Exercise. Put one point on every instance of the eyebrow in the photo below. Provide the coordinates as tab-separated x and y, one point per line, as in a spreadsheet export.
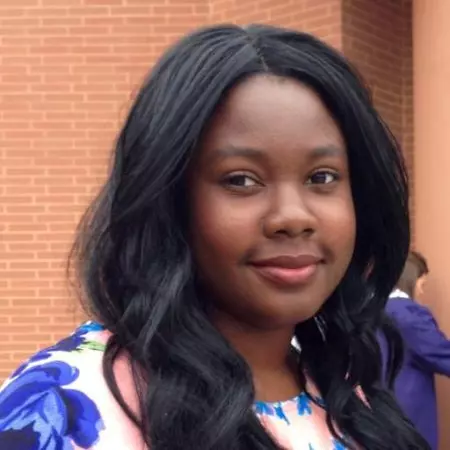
325	151
232	151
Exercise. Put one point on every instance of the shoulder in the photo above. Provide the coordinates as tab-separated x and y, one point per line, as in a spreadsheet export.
397	303
401	305
407	312
48	402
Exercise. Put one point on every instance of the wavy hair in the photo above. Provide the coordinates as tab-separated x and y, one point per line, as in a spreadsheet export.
136	268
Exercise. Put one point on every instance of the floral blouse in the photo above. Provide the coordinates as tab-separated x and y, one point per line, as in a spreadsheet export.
59	400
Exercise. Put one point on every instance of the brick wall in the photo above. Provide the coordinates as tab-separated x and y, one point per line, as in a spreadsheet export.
321	17
377	37
67	72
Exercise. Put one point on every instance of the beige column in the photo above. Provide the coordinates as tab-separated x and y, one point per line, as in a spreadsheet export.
431	41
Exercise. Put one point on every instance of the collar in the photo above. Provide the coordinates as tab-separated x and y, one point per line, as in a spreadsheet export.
398	293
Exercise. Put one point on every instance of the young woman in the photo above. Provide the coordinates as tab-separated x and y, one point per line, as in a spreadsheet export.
255	195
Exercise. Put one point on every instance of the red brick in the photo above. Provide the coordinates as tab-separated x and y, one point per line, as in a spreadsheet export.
384	58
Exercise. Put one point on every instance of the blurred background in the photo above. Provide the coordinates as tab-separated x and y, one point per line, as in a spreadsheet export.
68	71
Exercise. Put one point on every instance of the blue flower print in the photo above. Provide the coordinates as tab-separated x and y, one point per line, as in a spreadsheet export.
276	409
67	344
89	326
73	341
263	408
338	445
271	409
37	413
303	405
279	412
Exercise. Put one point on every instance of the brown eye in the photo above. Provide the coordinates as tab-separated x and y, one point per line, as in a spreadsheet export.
240	181
323	177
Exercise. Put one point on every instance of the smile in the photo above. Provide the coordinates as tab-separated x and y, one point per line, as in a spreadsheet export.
288	270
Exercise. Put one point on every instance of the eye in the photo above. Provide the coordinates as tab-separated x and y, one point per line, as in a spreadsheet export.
323	177
240	181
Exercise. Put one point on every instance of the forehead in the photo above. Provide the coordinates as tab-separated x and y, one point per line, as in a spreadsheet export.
272	112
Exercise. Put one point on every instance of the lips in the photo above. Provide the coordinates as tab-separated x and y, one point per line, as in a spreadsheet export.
288	270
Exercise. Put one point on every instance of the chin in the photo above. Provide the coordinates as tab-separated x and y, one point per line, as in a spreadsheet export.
286	319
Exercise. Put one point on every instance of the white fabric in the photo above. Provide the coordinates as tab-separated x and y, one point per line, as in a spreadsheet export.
398	293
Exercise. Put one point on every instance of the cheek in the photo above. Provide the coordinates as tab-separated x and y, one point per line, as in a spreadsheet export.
221	230
339	224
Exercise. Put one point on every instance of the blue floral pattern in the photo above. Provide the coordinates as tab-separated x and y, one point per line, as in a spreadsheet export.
38	409
304	404
289	412
59	400
302	401
47	415
68	344
338	445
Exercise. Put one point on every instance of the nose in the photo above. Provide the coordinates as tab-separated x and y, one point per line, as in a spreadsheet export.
289	214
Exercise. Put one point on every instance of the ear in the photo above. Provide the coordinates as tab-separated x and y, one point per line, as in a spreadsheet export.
420	285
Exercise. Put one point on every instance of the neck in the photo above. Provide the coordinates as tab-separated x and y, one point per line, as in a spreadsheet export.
268	353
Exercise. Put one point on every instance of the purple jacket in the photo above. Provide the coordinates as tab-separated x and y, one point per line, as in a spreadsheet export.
427	352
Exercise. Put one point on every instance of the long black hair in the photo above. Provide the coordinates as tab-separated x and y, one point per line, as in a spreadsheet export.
136	267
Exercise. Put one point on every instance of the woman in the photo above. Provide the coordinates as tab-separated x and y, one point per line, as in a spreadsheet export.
427	349
253	186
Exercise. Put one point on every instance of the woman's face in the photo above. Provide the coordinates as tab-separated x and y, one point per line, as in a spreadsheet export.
272	217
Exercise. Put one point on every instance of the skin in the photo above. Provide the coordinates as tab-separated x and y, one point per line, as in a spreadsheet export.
420	287
270	178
